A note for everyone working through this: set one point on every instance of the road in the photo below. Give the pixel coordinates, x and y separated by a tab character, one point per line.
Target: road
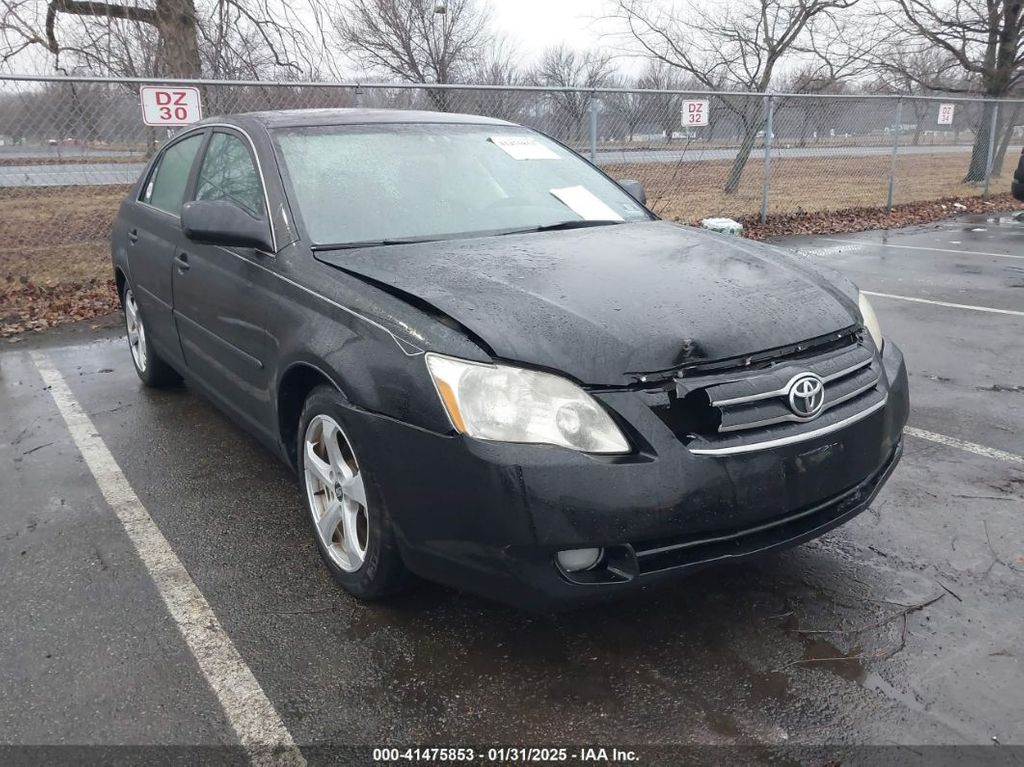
99	173
36	152
903	627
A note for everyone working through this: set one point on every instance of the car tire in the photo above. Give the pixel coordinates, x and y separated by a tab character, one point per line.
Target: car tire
152	369
350	523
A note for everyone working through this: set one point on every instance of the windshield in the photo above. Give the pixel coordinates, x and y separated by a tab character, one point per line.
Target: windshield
373	183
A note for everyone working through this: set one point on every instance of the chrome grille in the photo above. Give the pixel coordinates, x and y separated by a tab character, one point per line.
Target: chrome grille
760	400
745	410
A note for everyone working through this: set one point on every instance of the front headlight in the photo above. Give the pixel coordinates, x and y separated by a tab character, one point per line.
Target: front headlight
870	320
508	404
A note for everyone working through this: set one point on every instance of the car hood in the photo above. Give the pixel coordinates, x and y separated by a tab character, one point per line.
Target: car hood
606	303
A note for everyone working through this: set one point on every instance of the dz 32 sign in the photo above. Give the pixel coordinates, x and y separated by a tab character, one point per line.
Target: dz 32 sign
695	114
170	106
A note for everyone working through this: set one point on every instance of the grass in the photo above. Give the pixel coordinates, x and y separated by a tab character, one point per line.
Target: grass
55	249
56	235
692	191
17	162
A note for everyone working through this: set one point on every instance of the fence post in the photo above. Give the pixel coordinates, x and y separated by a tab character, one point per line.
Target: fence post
897	128
991	148
769	132
593	128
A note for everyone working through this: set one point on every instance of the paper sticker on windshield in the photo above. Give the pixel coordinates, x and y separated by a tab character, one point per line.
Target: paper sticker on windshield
523	148
586	204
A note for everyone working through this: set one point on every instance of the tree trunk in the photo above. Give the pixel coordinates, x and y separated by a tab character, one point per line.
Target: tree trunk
979	152
178	47
732	183
1004	141
440	98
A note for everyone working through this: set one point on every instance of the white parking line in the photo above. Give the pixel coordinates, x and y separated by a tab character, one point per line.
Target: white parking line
252	716
917	247
970	447
973	308
834	250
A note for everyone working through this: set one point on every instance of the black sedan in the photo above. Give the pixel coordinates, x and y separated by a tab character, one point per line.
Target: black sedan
490	365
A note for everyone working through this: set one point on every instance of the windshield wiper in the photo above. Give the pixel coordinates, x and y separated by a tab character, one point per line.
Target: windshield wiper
584	224
464	235
375	243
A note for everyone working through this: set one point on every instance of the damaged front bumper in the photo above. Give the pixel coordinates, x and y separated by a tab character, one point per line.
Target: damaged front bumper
490	517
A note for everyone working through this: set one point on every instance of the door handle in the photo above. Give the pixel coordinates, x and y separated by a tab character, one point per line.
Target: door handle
133	236
182	261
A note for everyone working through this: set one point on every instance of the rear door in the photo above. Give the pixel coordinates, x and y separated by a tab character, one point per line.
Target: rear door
219	304
153	234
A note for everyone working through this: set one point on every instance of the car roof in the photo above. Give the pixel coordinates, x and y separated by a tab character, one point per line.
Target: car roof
299	118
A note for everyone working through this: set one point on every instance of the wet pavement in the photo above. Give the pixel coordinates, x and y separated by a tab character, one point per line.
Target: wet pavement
906	626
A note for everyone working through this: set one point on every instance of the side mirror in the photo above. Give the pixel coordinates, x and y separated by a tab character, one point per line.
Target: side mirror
635	190
215	222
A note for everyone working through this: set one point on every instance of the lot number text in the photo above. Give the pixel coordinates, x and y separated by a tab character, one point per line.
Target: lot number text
170	106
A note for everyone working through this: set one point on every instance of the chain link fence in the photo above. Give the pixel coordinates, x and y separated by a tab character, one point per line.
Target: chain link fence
69	148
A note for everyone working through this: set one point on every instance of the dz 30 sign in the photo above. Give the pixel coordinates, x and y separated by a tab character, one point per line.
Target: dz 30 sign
169	106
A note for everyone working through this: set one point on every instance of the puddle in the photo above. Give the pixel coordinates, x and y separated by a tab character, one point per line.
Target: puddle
819	653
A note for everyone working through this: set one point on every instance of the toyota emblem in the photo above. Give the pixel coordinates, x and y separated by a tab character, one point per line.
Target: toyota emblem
807	395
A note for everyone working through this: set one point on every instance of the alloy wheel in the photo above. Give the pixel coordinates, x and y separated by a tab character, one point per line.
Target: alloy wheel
136	330
336	493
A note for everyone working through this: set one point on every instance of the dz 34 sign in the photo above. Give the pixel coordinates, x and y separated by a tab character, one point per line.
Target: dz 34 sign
170	106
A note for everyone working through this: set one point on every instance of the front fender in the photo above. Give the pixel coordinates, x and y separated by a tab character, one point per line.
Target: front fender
369	343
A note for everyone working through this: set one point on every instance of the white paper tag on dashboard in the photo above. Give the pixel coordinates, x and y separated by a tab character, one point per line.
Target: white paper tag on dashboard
523	148
586	204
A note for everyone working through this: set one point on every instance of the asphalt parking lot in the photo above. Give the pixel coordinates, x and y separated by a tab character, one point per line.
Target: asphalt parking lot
905	626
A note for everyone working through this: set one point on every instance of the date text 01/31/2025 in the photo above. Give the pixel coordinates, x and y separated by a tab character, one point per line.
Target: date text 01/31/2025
503	754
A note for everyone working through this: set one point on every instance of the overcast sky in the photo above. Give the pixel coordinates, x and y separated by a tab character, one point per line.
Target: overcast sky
538	24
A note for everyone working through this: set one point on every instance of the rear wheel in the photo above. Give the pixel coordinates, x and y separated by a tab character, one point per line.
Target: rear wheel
148	364
350	525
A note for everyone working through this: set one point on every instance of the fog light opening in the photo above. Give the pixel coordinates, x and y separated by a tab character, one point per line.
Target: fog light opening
578	560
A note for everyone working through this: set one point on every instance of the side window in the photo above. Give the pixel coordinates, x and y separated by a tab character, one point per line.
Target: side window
228	174
166	187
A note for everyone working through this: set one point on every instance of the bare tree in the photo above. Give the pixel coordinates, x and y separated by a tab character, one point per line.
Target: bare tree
576	72
741	45
627	108
666	108
169	38
499	67
985	39
814	116
418	41
918	72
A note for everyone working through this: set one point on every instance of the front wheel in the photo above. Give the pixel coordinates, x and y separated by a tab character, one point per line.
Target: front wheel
150	366
350	525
